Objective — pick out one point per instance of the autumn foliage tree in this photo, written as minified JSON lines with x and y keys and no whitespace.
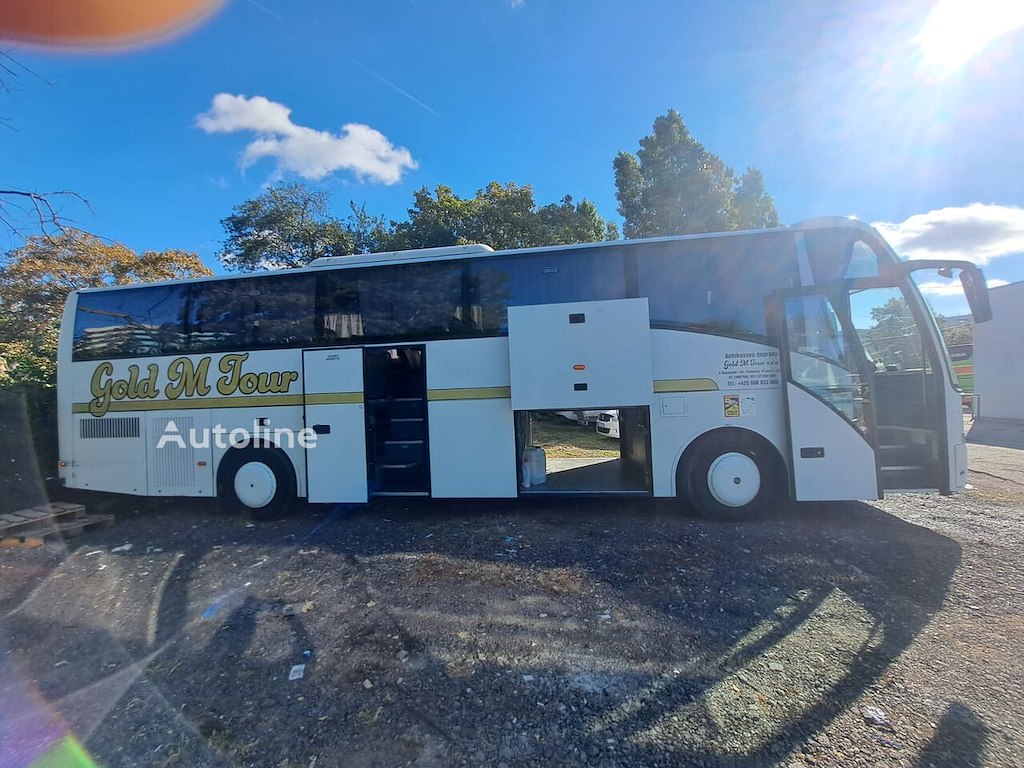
{"x":36,"y":278}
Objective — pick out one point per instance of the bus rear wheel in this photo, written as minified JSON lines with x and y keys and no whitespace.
{"x":731,"y":474}
{"x":256,"y":481}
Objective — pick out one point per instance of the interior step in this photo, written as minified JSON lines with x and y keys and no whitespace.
{"x":401,"y":430}
{"x":404,"y":478}
{"x":399,"y":407}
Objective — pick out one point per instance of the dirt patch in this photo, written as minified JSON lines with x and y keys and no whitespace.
{"x":522,"y":634}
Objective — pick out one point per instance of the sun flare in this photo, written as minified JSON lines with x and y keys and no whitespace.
{"x":957,"y":30}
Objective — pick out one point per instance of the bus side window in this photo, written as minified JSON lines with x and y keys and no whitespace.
{"x":716,"y":285}
{"x":835,"y":256}
{"x":338,"y":317}
{"x":257,"y":312}
{"x":130,"y":322}
{"x":283,"y":315}
{"x":497,"y":283}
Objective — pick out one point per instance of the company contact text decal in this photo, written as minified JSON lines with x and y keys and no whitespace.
{"x":750,"y":370}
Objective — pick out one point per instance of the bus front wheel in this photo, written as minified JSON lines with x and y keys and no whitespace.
{"x":257,"y":481}
{"x":730,"y":474}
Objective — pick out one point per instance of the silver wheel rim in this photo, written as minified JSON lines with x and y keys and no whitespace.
{"x":734,"y":479}
{"x":255,"y":484}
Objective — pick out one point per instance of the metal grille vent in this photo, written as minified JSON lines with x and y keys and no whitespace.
{"x":113,"y":427}
{"x":174,"y":462}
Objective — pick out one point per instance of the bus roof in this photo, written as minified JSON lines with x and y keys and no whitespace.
{"x":474,"y":251}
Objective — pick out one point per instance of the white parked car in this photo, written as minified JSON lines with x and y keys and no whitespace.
{"x":608,"y":424}
{"x":580,"y":417}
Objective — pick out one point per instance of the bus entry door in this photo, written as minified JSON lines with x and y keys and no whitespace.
{"x":830,"y":416}
{"x":333,"y":400}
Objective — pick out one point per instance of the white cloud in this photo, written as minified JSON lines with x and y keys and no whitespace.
{"x":307,"y":152}
{"x":976,"y":232}
{"x":953,"y":287}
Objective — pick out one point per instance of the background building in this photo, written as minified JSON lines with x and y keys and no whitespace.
{"x":999,"y":355}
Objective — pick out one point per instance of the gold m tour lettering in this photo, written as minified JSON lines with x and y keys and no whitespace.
{"x":185,"y":378}
{"x":251,"y":383}
{"x":106,"y":390}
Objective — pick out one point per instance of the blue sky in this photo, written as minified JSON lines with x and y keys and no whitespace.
{"x":843,"y":111}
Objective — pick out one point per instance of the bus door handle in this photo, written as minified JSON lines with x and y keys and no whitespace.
{"x":322,"y":429}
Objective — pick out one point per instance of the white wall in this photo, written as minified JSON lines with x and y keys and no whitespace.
{"x":999,"y":355}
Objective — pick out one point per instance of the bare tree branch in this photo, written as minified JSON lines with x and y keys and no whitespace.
{"x":39,"y":206}
{"x":11,"y":69}
{"x":24,"y":208}
{"x":13,"y":66}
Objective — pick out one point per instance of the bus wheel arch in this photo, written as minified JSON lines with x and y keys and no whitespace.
{"x":731,"y":473}
{"x":258,"y":479}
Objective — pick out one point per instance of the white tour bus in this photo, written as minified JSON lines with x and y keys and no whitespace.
{"x":745,"y":367}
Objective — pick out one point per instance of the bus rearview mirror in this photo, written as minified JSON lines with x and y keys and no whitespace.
{"x":976,"y":291}
{"x":971,"y":278}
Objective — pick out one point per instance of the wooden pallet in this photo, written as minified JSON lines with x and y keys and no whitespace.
{"x":29,"y":527}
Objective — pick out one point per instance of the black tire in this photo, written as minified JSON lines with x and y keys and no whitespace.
{"x":255,"y":466}
{"x":747,"y":481}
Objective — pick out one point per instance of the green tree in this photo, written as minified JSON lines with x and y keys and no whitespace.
{"x":501,"y":216}
{"x":289,"y":226}
{"x":368,"y":234}
{"x":435,"y":220}
{"x":753,"y":207}
{"x":674,"y":186}
{"x":956,"y":331}
{"x":36,"y":278}
{"x":286,"y":226}
{"x":567,"y":222}
{"x":893,"y":340}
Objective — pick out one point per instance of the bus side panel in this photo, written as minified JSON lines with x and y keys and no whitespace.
{"x":178,"y":457}
{"x":109,"y":453}
{"x":842,"y":467}
{"x":472,"y":448}
{"x":118,"y":450}
{"x":336,"y":463}
{"x":287,"y":418}
{"x":956,"y":438}
{"x":695,"y":392}
{"x":580,"y":355}
{"x":65,"y":418}
{"x":470,"y":420}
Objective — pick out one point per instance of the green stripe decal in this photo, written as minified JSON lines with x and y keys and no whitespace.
{"x":335,"y":398}
{"x":470,"y":393}
{"x":685,"y":385}
{"x":244,"y":401}
{"x":351,"y":398}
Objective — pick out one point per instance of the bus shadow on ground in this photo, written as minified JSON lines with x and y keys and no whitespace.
{"x":997,"y":432}
{"x":768,"y":631}
{"x":487,"y":632}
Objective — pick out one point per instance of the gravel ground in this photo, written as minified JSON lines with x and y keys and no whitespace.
{"x":524,"y":634}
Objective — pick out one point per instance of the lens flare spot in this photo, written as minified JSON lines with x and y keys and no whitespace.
{"x":958,"y":30}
